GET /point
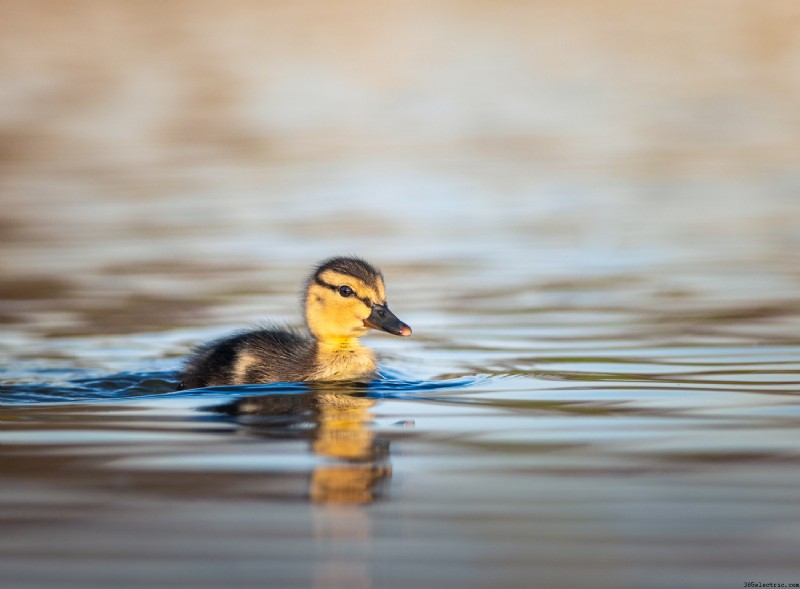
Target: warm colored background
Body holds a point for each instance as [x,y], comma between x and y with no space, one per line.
[142,143]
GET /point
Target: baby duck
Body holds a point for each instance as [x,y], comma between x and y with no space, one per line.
[343,298]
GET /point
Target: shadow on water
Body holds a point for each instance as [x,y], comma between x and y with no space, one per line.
[540,449]
[353,460]
[335,419]
[349,460]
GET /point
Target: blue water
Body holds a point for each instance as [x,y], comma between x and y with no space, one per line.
[159,385]
[619,465]
[585,442]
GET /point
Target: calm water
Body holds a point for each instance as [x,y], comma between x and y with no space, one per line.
[589,213]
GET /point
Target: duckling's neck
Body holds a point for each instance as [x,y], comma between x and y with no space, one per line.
[343,358]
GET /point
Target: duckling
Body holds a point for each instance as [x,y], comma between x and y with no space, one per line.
[343,298]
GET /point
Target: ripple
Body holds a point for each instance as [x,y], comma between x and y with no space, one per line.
[163,384]
[124,385]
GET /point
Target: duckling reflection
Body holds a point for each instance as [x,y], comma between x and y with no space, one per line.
[335,419]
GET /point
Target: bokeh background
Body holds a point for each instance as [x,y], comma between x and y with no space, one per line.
[158,158]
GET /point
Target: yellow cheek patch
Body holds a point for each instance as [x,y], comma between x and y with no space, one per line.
[332,317]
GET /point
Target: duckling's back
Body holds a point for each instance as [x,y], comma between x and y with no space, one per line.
[258,356]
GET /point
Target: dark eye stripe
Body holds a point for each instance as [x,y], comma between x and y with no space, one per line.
[334,288]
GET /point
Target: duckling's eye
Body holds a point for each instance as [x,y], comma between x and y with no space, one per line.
[346,291]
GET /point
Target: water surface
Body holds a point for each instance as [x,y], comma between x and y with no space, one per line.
[587,212]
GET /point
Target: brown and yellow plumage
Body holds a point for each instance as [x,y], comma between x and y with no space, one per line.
[343,298]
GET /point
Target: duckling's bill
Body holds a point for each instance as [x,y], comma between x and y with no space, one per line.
[383,319]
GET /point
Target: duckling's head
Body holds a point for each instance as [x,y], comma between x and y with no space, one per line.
[345,297]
